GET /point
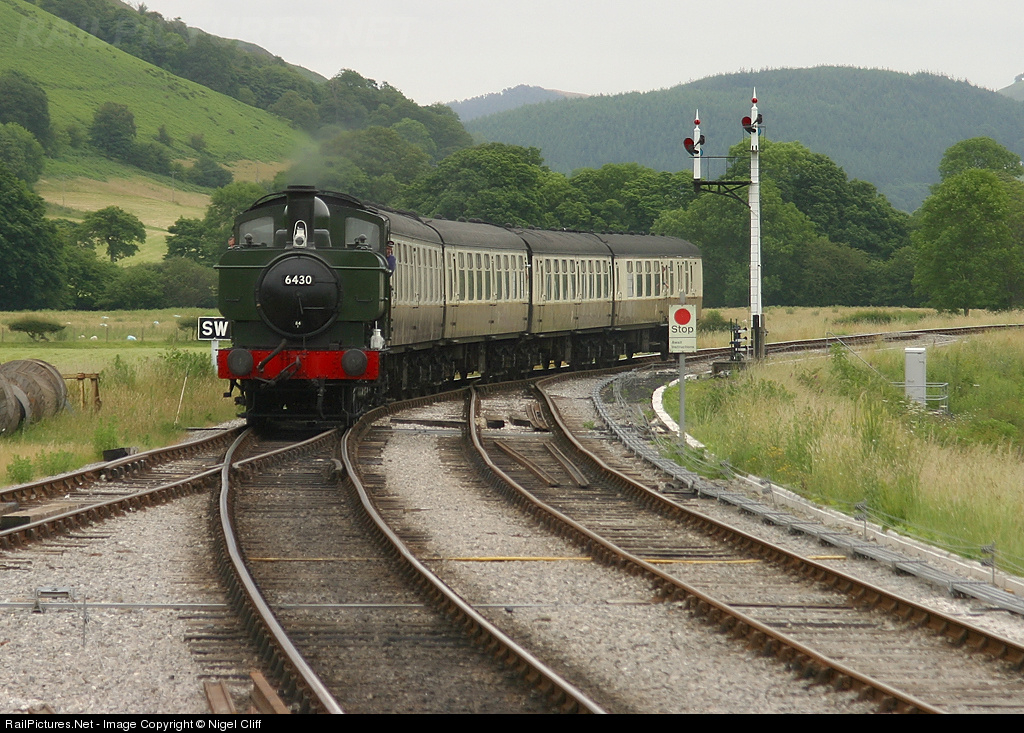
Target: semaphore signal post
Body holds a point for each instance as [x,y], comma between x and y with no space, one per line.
[754,127]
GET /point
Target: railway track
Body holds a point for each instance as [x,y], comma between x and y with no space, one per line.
[86,497]
[68,564]
[58,504]
[924,660]
[606,632]
[350,621]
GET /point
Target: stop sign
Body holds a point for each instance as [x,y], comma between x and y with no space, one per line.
[682,329]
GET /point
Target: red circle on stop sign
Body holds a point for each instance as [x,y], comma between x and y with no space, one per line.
[682,316]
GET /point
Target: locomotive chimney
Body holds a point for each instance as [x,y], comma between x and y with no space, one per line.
[300,214]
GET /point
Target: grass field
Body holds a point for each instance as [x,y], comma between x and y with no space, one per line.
[151,392]
[79,73]
[157,201]
[791,324]
[157,205]
[91,336]
[836,431]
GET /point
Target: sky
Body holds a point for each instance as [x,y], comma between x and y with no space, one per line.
[448,50]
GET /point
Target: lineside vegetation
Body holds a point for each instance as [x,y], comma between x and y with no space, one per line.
[141,385]
[838,433]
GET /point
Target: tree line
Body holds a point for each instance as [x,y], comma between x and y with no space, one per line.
[827,239]
[348,101]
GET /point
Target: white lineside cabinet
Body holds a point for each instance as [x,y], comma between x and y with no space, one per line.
[915,374]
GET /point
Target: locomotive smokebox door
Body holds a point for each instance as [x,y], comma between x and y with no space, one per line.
[297,295]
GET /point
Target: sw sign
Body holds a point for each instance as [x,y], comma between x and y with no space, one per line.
[682,329]
[212,328]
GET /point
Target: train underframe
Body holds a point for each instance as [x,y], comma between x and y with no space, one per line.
[412,372]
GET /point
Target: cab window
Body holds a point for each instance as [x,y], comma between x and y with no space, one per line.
[355,229]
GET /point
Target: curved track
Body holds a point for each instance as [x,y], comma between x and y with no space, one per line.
[355,623]
[926,673]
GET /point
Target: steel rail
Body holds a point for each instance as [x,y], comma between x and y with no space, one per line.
[868,338]
[758,635]
[129,465]
[478,628]
[98,511]
[283,659]
[868,595]
[859,591]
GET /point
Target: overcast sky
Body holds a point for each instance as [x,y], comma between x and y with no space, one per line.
[445,50]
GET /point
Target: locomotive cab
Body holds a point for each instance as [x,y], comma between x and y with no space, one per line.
[307,291]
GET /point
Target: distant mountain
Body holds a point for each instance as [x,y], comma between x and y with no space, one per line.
[512,98]
[884,127]
[1015,90]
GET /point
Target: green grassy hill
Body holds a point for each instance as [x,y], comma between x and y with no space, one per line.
[885,127]
[79,72]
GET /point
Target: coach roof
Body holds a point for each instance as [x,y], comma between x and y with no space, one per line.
[645,245]
[544,242]
[476,234]
[405,226]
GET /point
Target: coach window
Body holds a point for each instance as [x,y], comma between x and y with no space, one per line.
[437,274]
[431,275]
[462,276]
[503,278]
[439,280]
[417,284]
[510,277]
[499,291]
[405,286]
